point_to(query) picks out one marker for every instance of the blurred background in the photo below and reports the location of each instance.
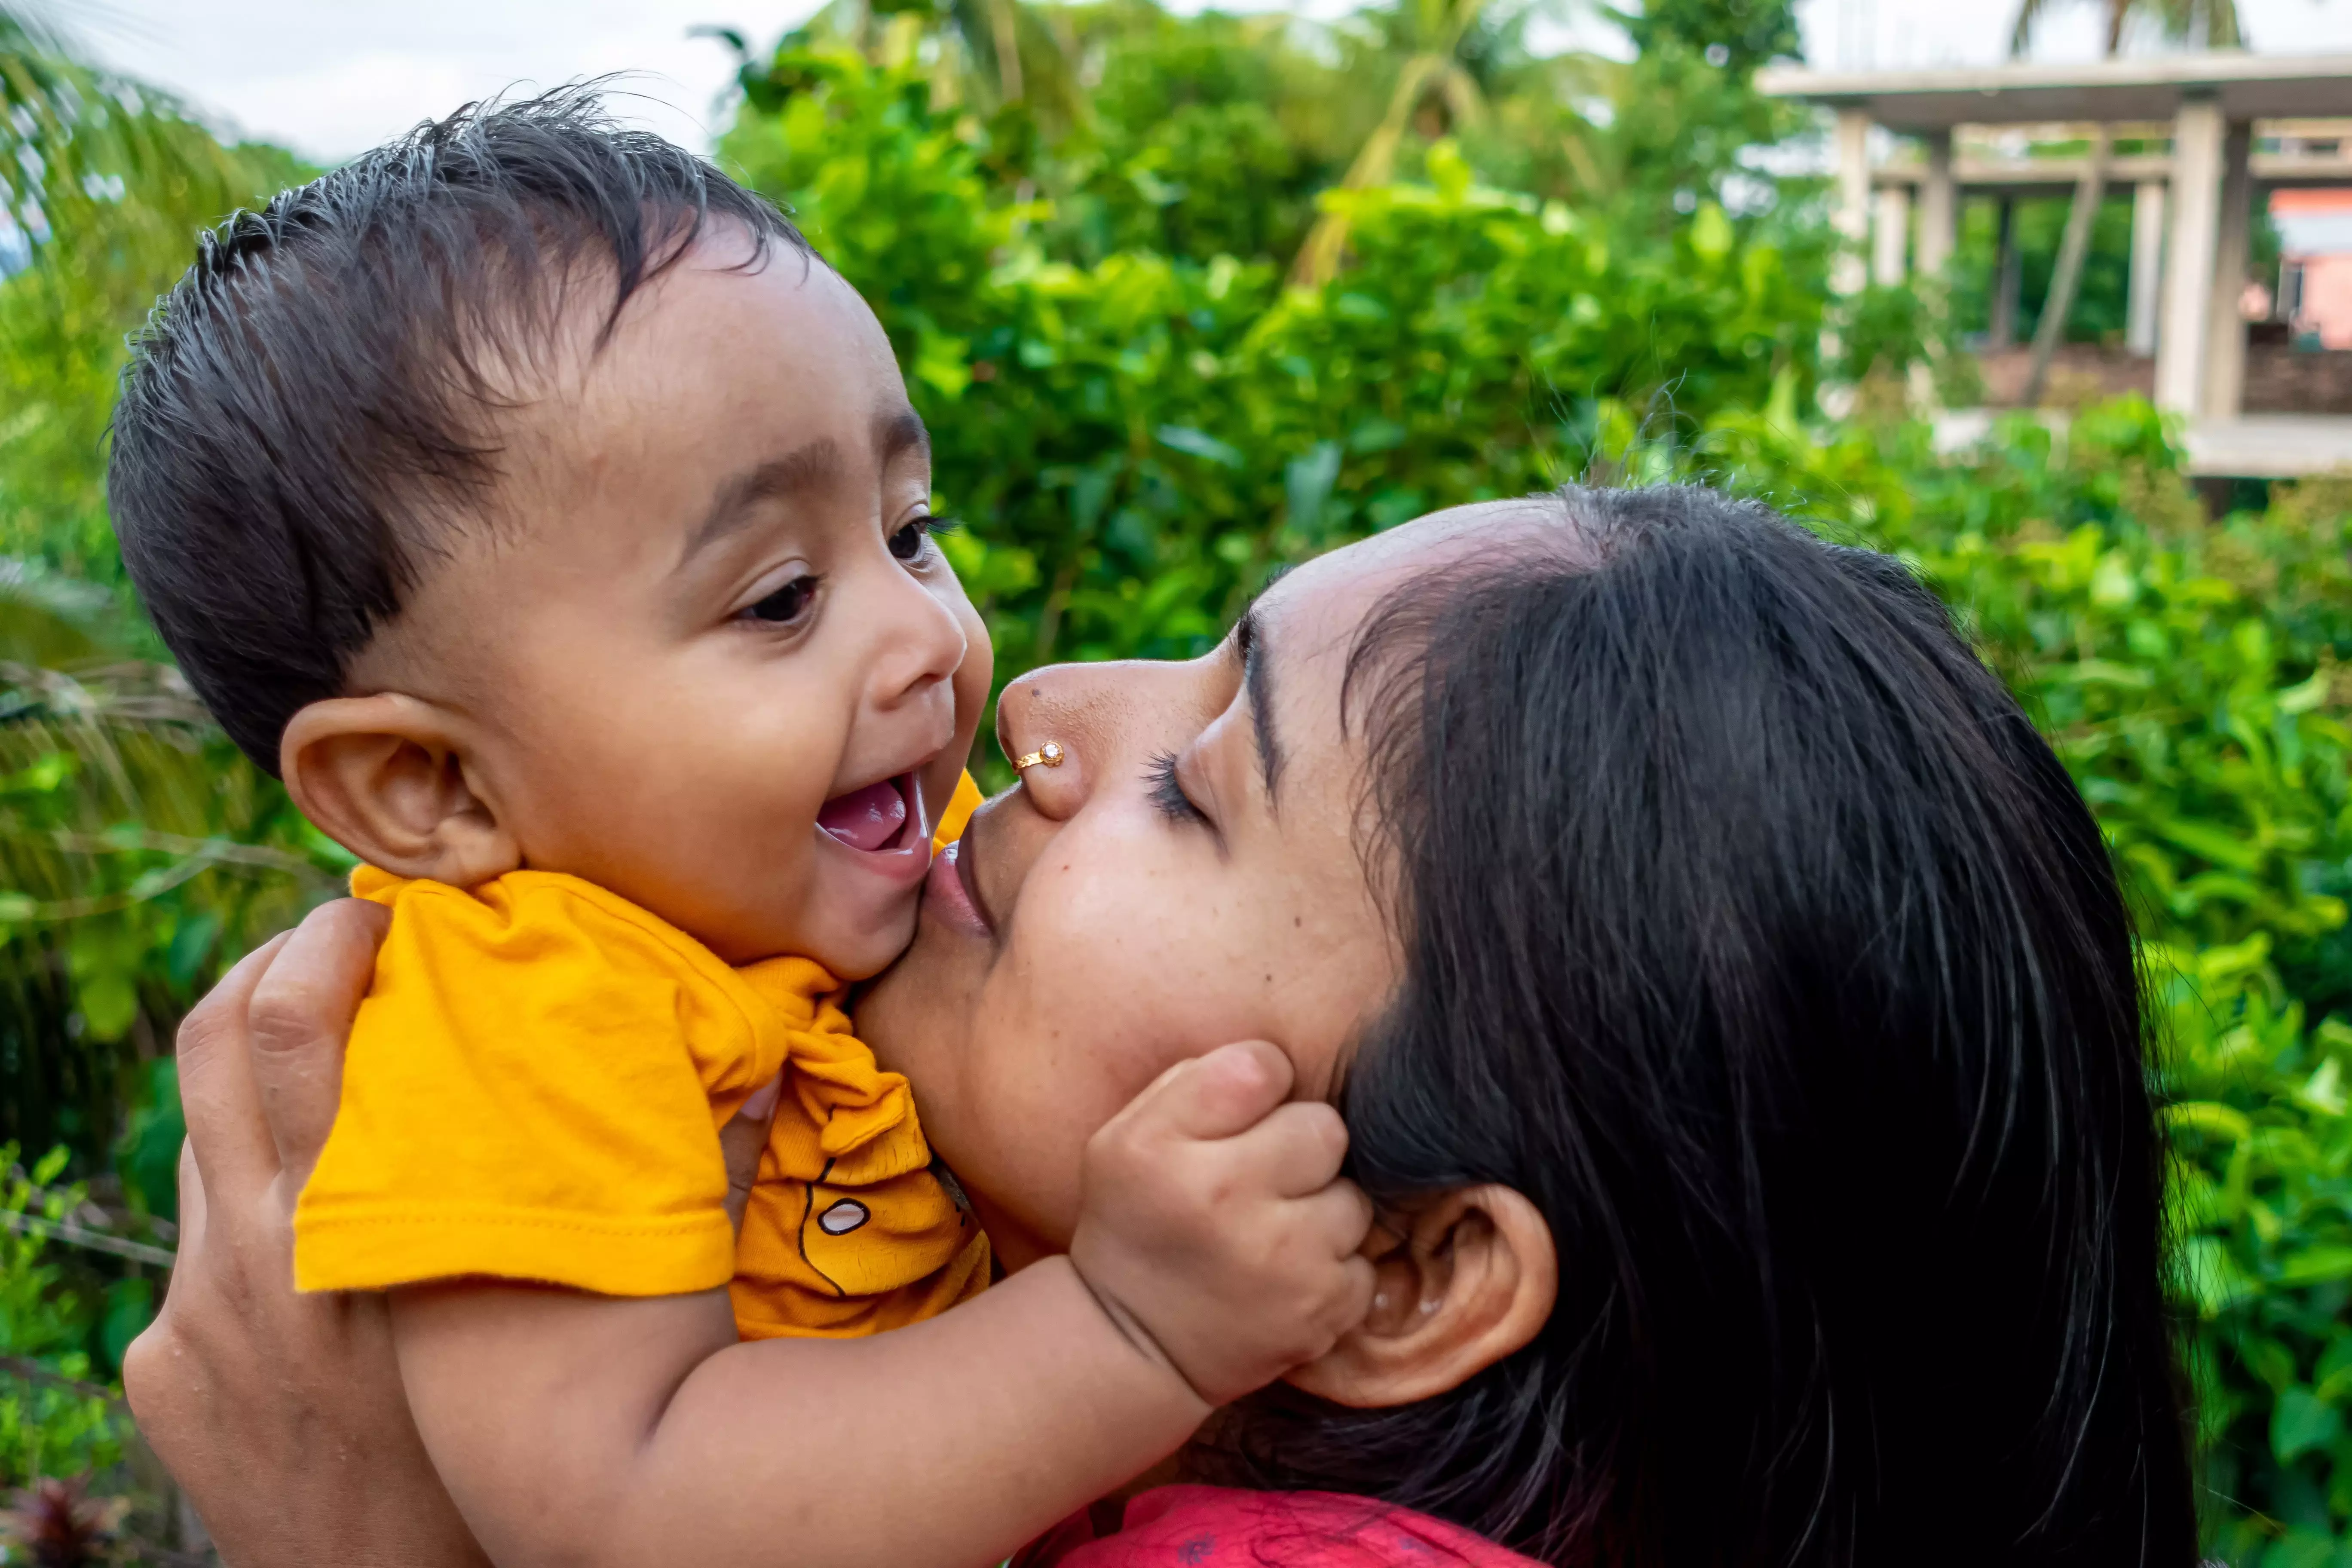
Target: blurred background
(2054, 299)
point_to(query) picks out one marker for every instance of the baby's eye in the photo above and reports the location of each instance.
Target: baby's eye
(785, 605)
(907, 544)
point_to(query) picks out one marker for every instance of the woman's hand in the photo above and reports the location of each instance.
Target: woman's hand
(281, 1415)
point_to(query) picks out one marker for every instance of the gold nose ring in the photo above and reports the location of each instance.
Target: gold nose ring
(1049, 755)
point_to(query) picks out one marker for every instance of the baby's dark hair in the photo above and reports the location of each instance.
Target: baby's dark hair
(304, 414)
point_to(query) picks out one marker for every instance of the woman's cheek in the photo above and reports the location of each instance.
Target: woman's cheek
(1094, 996)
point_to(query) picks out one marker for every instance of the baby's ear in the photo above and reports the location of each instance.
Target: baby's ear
(382, 776)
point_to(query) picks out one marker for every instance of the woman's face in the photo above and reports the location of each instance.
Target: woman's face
(1190, 874)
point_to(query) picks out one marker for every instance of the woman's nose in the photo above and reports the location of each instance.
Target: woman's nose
(1106, 721)
(1058, 727)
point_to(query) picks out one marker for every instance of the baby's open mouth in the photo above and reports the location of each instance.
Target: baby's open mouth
(878, 817)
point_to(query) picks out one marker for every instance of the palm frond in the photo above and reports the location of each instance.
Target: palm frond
(136, 850)
(2214, 23)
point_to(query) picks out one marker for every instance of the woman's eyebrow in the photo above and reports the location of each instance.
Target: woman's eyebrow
(1257, 680)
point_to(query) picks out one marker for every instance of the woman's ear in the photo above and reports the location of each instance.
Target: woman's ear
(1461, 1280)
(382, 777)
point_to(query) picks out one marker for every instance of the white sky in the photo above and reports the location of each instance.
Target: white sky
(332, 77)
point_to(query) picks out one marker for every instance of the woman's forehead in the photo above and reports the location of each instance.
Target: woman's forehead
(1335, 592)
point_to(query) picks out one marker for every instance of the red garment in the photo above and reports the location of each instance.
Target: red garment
(1219, 1527)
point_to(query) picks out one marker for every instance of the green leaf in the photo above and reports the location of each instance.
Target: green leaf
(2301, 1423)
(1198, 444)
(1710, 233)
(2314, 1265)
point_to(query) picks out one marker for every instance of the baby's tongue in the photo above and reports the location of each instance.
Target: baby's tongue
(865, 818)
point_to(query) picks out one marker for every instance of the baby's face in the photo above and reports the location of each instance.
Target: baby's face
(705, 651)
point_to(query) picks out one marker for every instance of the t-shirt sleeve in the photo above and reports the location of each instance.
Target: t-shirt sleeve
(520, 1101)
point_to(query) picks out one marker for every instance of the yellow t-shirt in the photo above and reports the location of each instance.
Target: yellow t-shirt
(534, 1088)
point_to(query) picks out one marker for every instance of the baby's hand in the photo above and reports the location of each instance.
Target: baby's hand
(1214, 1226)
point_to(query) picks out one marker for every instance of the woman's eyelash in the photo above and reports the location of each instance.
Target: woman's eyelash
(1166, 794)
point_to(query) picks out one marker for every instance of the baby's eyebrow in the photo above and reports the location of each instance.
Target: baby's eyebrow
(898, 430)
(813, 467)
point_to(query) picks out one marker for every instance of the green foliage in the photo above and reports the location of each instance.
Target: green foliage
(1207, 137)
(53, 1420)
(1749, 33)
(1135, 443)
(138, 852)
(2264, 1204)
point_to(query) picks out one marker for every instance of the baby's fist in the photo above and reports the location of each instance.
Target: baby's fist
(1211, 1218)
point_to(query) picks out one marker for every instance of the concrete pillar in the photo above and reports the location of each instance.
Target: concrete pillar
(2143, 300)
(1890, 236)
(1851, 215)
(2225, 345)
(2008, 276)
(2196, 215)
(1939, 207)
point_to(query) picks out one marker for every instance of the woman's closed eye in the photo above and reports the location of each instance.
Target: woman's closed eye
(1167, 792)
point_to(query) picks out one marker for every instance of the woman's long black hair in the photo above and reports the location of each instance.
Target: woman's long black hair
(1752, 933)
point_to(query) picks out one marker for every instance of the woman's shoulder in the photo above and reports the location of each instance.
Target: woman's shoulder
(1222, 1527)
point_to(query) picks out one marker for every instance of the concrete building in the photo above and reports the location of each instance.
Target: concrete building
(2192, 205)
(2315, 287)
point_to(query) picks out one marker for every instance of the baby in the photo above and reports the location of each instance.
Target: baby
(536, 504)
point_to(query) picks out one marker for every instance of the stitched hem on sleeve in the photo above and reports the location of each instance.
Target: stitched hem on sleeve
(373, 1247)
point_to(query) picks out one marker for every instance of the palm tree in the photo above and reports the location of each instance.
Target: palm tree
(1440, 78)
(79, 145)
(2213, 23)
(990, 53)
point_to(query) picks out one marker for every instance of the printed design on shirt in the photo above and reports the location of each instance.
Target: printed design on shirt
(807, 1214)
(843, 1217)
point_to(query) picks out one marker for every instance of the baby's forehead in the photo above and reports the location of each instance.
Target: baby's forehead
(717, 371)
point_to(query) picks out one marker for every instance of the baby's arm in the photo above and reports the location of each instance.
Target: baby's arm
(1214, 1251)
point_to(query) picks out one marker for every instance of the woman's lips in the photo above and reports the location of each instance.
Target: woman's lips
(949, 892)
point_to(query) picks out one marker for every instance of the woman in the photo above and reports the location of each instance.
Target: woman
(1727, 992)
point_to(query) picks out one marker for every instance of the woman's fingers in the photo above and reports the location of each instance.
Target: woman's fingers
(300, 1020)
(282, 1415)
(192, 1199)
(227, 1134)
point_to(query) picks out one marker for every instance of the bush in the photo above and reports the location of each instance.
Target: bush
(53, 1420)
